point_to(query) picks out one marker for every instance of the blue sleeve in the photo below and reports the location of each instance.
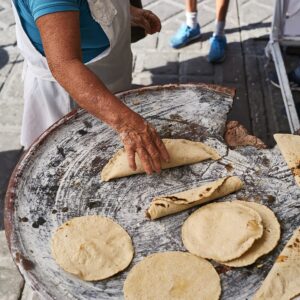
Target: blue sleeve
(39, 8)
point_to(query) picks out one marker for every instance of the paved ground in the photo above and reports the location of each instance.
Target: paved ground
(258, 105)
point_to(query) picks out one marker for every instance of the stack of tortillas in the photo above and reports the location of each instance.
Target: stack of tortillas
(233, 233)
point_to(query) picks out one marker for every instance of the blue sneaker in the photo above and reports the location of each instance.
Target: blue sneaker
(184, 35)
(217, 50)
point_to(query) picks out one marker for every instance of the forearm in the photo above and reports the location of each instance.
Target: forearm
(92, 95)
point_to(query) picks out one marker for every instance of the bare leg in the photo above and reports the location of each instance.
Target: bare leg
(191, 5)
(218, 41)
(191, 13)
(190, 30)
(221, 10)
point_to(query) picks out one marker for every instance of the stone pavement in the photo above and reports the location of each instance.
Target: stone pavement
(258, 105)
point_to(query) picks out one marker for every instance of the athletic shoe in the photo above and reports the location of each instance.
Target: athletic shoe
(185, 35)
(294, 80)
(217, 50)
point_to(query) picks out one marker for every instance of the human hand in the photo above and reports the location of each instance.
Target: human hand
(138, 136)
(145, 19)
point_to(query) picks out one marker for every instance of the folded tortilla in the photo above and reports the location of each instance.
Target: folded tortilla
(166, 205)
(283, 281)
(182, 152)
(289, 145)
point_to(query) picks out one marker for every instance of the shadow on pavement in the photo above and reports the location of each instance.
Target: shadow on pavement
(4, 57)
(8, 160)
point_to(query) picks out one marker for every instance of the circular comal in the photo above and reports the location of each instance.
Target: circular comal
(170, 276)
(221, 231)
(92, 247)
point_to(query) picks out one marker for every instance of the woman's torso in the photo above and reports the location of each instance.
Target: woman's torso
(93, 39)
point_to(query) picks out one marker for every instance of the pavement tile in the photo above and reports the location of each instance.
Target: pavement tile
(157, 63)
(165, 10)
(193, 64)
(11, 282)
(8, 36)
(6, 18)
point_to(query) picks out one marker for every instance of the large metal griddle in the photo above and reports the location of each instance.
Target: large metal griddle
(58, 179)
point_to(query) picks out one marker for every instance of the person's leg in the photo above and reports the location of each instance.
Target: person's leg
(190, 30)
(221, 12)
(191, 13)
(218, 40)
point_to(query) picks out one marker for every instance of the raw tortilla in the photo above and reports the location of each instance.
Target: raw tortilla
(182, 152)
(167, 205)
(283, 281)
(266, 243)
(289, 146)
(92, 247)
(221, 231)
(172, 276)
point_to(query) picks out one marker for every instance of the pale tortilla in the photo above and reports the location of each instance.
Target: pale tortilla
(92, 247)
(182, 152)
(283, 281)
(221, 231)
(171, 276)
(289, 145)
(266, 243)
(167, 205)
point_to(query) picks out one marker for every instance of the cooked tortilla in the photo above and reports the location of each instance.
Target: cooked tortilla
(283, 281)
(266, 243)
(166, 205)
(170, 276)
(221, 231)
(289, 145)
(92, 247)
(182, 152)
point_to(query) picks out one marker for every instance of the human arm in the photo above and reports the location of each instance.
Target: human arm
(60, 33)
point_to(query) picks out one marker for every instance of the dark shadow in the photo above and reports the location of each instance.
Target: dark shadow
(4, 57)
(206, 35)
(8, 160)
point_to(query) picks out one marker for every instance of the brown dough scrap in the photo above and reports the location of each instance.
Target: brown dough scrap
(166, 205)
(289, 146)
(236, 135)
(283, 281)
(182, 152)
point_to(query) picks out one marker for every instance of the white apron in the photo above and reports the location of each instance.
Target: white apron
(45, 100)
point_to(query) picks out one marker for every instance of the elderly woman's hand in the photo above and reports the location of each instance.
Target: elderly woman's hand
(145, 19)
(138, 136)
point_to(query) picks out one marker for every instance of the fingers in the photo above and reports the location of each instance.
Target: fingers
(149, 147)
(153, 152)
(131, 157)
(144, 22)
(145, 160)
(160, 145)
(154, 21)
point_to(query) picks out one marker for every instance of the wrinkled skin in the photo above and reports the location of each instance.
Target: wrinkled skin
(142, 138)
(145, 19)
(146, 143)
(60, 33)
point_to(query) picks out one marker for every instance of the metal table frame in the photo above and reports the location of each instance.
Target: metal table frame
(277, 39)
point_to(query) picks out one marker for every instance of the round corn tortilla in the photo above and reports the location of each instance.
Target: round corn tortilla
(170, 276)
(221, 231)
(266, 243)
(92, 247)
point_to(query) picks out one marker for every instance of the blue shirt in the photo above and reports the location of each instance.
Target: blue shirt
(93, 39)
